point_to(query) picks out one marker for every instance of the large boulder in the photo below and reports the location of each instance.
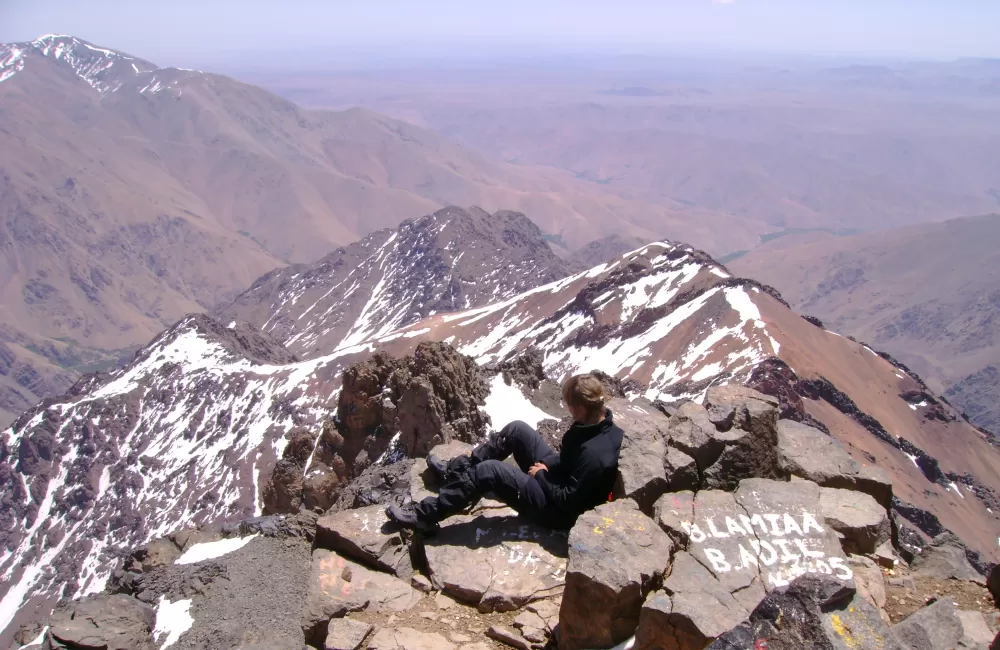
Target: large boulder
(642, 474)
(814, 611)
(617, 556)
(692, 609)
(496, 561)
(809, 453)
(338, 586)
(858, 517)
(366, 535)
(766, 531)
(945, 559)
(115, 622)
(941, 626)
(283, 492)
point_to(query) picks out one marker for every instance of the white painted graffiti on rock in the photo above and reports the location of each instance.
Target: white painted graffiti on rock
(784, 546)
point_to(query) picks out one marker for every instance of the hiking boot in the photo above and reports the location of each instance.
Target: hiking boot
(408, 517)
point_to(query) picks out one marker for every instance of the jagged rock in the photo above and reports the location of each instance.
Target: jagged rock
(114, 622)
(346, 634)
(692, 609)
(750, 447)
(809, 453)
(379, 484)
(941, 626)
(283, 492)
(617, 555)
(858, 517)
(814, 611)
(428, 398)
(496, 561)
(531, 626)
(421, 583)
(766, 531)
(993, 584)
(508, 637)
(641, 466)
(406, 638)
(681, 470)
(945, 559)
(338, 586)
(366, 535)
(869, 581)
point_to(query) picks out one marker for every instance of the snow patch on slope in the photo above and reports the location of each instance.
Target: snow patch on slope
(211, 550)
(506, 403)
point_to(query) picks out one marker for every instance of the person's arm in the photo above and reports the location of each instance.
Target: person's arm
(573, 496)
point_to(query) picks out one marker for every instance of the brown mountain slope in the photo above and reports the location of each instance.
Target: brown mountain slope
(131, 194)
(929, 294)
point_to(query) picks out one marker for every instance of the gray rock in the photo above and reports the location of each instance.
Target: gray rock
(692, 609)
(531, 626)
(941, 626)
(338, 586)
(366, 535)
(421, 583)
(617, 555)
(508, 637)
(406, 638)
(814, 611)
(681, 471)
(858, 517)
(114, 622)
(346, 634)
(945, 559)
(766, 531)
(750, 448)
(869, 580)
(496, 561)
(641, 472)
(809, 453)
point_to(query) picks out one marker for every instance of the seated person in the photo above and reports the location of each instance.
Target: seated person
(548, 488)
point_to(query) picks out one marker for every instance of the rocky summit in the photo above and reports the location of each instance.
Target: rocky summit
(219, 491)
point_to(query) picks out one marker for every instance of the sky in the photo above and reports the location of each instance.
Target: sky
(195, 32)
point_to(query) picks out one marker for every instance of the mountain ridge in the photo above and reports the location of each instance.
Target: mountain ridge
(206, 423)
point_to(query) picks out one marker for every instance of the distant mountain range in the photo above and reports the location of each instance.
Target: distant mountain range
(928, 294)
(132, 194)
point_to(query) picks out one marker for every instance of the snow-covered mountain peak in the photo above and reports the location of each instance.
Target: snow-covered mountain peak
(103, 69)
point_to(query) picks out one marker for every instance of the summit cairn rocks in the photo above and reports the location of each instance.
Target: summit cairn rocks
(617, 555)
(735, 548)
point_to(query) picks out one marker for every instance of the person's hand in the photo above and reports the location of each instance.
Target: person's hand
(537, 467)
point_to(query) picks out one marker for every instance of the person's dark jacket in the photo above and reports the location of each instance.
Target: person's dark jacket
(588, 464)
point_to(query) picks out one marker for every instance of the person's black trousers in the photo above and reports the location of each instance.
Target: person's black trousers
(488, 474)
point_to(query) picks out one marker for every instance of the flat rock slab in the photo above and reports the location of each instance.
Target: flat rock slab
(346, 634)
(617, 555)
(945, 559)
(857, 516)
(366, 535)
(766, 531)
(112, 622)
(496, 561)
(693, 608)
(406, 638)
(338, 586)
(809, 453)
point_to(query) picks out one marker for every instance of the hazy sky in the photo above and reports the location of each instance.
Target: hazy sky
(203, 31)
